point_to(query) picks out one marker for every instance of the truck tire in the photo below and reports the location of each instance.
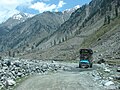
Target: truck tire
(91, 65)
(79, 65)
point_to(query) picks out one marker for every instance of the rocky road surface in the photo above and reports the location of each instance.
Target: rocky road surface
(54, 75)
(61, 81)
(68, 78)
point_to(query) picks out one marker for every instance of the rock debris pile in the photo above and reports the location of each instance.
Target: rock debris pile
(107, 76)
(11, 70)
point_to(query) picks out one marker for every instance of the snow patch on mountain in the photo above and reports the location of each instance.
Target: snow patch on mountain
(22, 16)
(17, 16)
(71, 10)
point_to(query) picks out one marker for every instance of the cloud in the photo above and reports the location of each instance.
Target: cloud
(41, 6)
(8, 8)
(77, 6)
(60, 4)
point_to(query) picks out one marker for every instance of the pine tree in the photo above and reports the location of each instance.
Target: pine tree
(54, 42)
(108, 17)
(116, 11)
(9, 53)
(13, 54)
(63, 39)
(105, 20)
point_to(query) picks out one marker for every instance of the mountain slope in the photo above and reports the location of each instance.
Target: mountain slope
(16, 19)
(84, 29)
(46, 38)
(33, 31)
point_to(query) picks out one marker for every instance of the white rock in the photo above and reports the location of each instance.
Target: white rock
(110, 78)
(66, 68)
(111, 87)
(19, 74)
(5, 68)
(11, 82)
(53, 61)
(118, 69)
(44, 66)
(109, 83)
(107, 70)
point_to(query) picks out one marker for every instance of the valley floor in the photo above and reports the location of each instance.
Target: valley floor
(70, 78)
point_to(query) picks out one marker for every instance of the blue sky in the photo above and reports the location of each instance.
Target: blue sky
(10, 7)
(53, 4)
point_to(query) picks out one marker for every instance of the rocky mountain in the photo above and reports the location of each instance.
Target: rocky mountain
(53, 36)
(33, 31)
(6, 26)
(91, 26)
(68, 12)
(95, 26)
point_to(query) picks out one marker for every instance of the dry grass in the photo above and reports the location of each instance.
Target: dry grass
(113, 62)
(88, 42)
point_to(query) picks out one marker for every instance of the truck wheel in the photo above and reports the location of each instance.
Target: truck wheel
(91, 65)
(79, 65)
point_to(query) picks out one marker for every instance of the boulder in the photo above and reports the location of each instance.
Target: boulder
(45, 66)
(107, 70)
(111, 87)
(11, 82)
(110, 78)
(101, 61)
(117, 77)
(19, 74)
(8, 63)
(118, 69)
(17, 63)
(65, 68)
(109, 83)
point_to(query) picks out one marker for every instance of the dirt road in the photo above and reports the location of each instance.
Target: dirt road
(69, 79)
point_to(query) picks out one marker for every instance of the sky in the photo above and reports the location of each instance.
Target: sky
(10, 7)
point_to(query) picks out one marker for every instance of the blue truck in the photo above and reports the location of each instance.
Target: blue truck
(86, 59)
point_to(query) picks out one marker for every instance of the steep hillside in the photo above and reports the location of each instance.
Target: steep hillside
(95, 25)
(84, 29)
(7, 26)
(33, 31)
(106, 42)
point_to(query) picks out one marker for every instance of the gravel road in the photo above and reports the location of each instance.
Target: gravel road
(71, 78)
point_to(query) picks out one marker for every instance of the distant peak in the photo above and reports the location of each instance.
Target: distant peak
(77, 6)
(17, 16)
(71, 9)
(22, 15)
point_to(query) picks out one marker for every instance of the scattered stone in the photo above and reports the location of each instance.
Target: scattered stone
(10, 70)
(109, 83)
(101, 61)
(118, 69)
(44, 66)
(107, 70)
(117, 77)
(19, 74)
(110, 78)
(1, 85)
(111, 87)
(53, 61)
(11, 82)
(66, 68)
